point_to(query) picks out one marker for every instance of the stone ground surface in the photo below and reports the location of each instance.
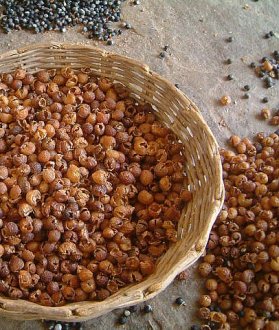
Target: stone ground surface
(196, 31)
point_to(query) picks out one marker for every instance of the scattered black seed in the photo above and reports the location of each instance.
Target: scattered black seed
(240, 313)
(229, 61)
(258, 147)
(264, 59)
(147, 309)
(162, 55)
(246, 96)
(213, 325)
(268, 82)
(267, 314)
(67, 326)
(271, 33)
(261, 74)
(165, 48)
(265, 99)
(253, 65)
(128, 26)
(246, 87)
(267, 36)
(133, 309)
(230, 39)
(123, 319)
(45, 15)
(110, 42)
(230, 77)
(136, 2)
(50, 324)
(217, 309)
(180, 301)
(177, 85)
(250, 265)
(195, 327)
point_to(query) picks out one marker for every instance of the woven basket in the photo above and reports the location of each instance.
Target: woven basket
(203, 167)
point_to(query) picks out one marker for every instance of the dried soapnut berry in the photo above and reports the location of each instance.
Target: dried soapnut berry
(92, 188)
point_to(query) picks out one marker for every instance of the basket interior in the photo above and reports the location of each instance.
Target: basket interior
(202, 165)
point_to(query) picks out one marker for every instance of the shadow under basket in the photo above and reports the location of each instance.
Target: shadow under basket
(203, 167)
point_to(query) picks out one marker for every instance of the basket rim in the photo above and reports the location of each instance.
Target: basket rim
(90, 309)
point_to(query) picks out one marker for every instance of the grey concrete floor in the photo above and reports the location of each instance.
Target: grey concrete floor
(196, 31)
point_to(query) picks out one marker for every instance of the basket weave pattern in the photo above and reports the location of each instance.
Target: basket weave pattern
(203, 168)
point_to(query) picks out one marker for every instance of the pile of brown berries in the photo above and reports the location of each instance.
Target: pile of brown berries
(241, 265)
(91, 187)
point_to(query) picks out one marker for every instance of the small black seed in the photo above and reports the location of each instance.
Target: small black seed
(246, 96)
(136, 2)
(213, 325)
(271, 33)
(217, 309)
(230, 77)
(195, 327)
(251, 266)
(246, 87)
(265, 100)
(268, 82)
(253, 65)
(162, 55)
(264, 59)
(229, 61)
(261, 74)
(147, 309)
(128, 26)
(268, 79)
(241, 313)
(123, 319)
(66, 326)
(258, 147)
(267, 314)
(177, 85)
(165, 48)
(79, 326)
(179, 301)
(230, 39)
(110, 42)
(267, 36)
(133, 309)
